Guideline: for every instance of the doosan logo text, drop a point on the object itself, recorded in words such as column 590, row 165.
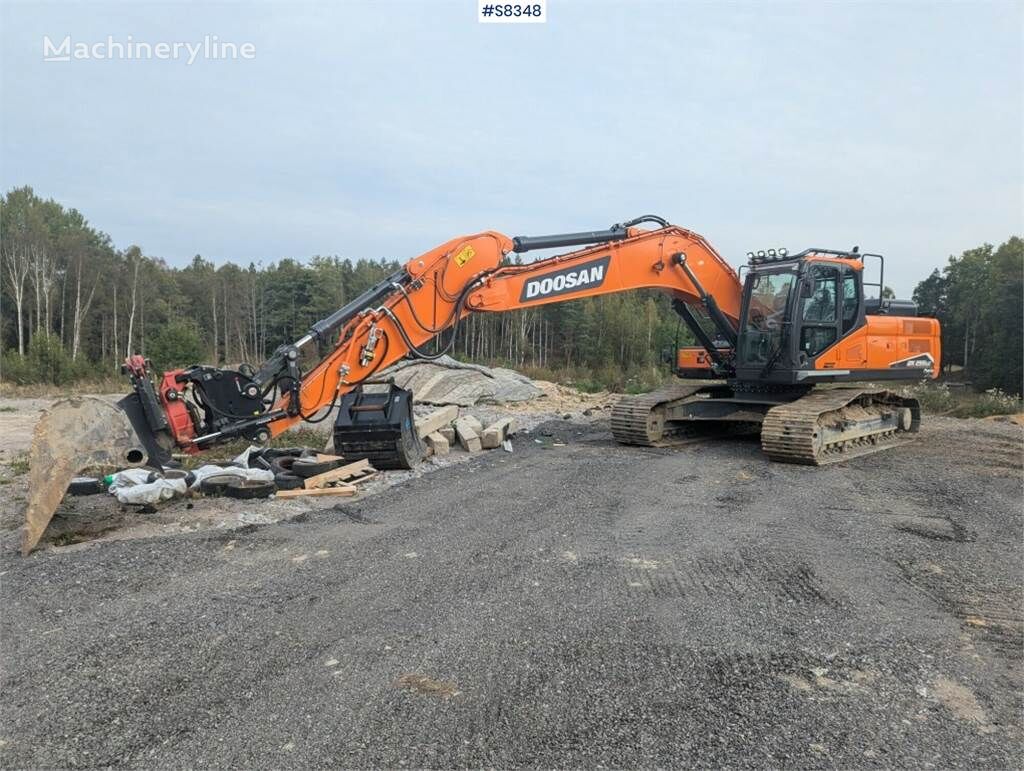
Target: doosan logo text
column 574, row 279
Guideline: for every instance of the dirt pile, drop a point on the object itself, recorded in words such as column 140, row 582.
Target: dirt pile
column 566, row 399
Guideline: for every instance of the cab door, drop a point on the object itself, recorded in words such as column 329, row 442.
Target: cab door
column 819, row 313
column 852, row 350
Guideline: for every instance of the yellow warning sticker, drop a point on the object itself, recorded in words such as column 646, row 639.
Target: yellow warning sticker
column 465, row 254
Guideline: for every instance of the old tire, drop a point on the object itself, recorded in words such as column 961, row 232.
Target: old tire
column 272, row 453
column 310, row 467
column 258, row 461
column 282, row 464
column 247, row 489
column 86, row 486
column 217, row 484
column 288, row 481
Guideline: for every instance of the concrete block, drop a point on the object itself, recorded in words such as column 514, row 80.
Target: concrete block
column 498, row 432
column 448, row 433
column 468, row 438
column 437, row 444
column 428, row 424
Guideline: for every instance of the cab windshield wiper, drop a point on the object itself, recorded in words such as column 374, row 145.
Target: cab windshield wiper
column 775, row 355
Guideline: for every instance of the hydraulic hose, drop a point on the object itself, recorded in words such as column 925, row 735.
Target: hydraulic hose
column 456, row 314
column 334, row 399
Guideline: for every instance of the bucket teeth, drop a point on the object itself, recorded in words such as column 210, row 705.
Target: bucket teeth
column 74, row 434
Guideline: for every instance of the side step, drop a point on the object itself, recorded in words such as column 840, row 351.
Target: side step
column 378, row 426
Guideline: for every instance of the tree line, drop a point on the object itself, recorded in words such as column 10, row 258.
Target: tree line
column 72, row 306
column 978, row 298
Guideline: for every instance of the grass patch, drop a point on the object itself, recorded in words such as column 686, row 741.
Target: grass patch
column 224, row 453
column 303, row 437
column 107, row 385
column 586, row 386
column 940, row 399
column 8, row 409
column 19, row 464
column 637, row 380
column 72, row 537
column 218, row 456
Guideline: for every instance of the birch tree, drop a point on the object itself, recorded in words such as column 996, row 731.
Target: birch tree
column 16, row 266
column 81, row 308
column 42, row 277
column 134, row 257
column 17, row 226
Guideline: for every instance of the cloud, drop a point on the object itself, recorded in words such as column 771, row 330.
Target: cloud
column 381, row 129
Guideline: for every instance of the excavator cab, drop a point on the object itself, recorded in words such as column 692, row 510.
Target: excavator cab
column 805, row 319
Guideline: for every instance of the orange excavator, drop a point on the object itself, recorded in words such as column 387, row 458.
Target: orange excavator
column 769, row 337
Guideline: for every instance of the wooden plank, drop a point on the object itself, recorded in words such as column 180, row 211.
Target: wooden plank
column 428, row 424
column 301, row 493
column 324, row 457
column 339, row 474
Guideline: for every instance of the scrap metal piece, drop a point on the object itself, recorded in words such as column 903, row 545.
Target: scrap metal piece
column 72, row 435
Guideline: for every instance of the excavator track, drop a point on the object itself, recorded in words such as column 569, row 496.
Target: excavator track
column 836, row 424
column 640, row 419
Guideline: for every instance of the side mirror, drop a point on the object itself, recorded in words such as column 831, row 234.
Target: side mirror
column 807, row 289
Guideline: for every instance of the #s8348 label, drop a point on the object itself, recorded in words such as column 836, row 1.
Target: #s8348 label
column 534, row 12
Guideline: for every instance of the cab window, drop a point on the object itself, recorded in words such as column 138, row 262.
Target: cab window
column 818, row 311
column 821, row 305
column 851, row 300
column 762, row 335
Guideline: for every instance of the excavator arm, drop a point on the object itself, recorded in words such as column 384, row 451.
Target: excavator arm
column 425, row 300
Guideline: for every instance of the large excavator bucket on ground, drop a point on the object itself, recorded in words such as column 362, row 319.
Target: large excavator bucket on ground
column 77, row 433
column 378, row 425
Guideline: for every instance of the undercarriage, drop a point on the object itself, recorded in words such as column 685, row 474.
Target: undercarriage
column 801, row 425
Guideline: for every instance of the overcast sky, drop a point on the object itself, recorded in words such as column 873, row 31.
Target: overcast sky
column 381, row 129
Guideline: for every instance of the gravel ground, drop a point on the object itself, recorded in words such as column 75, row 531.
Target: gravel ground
column 80, row 522
column 563, row 606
